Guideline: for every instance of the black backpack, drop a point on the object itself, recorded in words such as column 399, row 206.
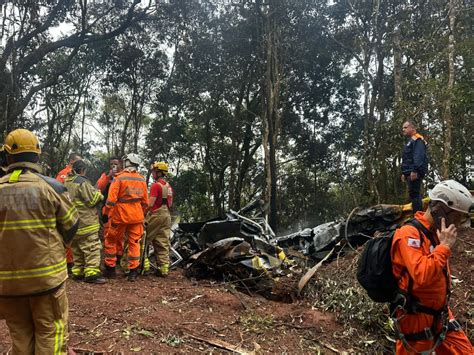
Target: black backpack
column 374, row 271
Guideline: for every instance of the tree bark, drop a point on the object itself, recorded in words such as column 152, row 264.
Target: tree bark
column 447, row 116
column 271, row 106
column 234, row 196
column 367, row 125
column 397, row 76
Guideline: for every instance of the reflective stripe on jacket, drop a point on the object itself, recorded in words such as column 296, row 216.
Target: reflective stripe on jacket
column 85, row 197
column 127, row 199
column 37, row 219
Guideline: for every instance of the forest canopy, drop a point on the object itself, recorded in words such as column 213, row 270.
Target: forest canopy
column 300, row 103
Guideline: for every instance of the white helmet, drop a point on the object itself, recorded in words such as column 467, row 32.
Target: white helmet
column 452, row 194
column 131, row 159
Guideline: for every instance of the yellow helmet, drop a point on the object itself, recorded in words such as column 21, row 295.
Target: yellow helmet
column 22, row 141
column 160, row 165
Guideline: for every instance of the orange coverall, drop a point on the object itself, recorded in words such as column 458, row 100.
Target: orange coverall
column 424, row 265
column 128, row 198
column 63, row 174
column 61, row 177
column 102, row 184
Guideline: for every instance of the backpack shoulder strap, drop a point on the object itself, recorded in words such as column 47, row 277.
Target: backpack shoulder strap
column 421, row 228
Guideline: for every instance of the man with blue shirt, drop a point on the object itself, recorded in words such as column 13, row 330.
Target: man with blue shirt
column 414, row 163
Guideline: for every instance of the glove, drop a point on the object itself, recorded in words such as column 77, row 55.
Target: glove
column 105, row 218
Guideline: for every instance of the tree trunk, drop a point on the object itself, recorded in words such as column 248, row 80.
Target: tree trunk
column 271, row 107
column 447, row 117
column 83, row 123
column 128, row 119
column 397, row 76
column 366, row 138
column 234, row 196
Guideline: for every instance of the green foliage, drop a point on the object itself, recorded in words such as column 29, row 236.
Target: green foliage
column 184, row 83
column 336, row 290
column 191, row 195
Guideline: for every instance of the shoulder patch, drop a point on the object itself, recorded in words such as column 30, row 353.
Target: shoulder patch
column 414, row 243
column 56, row 185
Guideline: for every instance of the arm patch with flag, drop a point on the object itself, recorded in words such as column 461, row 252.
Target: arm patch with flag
column 414, row 243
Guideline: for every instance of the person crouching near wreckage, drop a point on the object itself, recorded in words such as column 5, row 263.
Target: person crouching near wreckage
column 86, row 245
column 423, row 320
column 158, row 221
column 37, row 221
column 125, row 206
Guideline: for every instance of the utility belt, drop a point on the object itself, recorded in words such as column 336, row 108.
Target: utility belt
column 411, row 305
column 430, row 334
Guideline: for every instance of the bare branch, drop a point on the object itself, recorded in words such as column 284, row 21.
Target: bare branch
column 51, row 81
column 349, row 49
column 78, row 39
column 11, row 43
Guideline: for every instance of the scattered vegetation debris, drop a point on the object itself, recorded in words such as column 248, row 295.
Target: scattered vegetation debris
column 256, row 323
column 171, row 339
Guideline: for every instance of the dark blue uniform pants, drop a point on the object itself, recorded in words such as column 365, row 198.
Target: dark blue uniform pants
column 414, row 188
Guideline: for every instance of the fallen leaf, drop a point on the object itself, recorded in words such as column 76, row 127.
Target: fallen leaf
column 146, row 333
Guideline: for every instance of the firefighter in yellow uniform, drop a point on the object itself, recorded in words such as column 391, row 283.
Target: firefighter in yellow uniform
column 86, row 245
column 158, row 222
column 3, row 161
column 37, row 221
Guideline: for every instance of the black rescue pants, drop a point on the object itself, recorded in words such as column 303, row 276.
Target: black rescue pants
column 414, row 188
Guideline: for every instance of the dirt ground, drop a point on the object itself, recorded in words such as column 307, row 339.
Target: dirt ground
column 177, row 314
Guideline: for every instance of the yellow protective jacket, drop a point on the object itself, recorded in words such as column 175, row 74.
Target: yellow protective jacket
column 85, row 197
column 37, row 220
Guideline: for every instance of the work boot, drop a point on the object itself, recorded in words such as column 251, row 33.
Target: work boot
column 109, row 272
column 77, row 277
column 95, row 279
column 162, row 271
column 69, row 269
column 133, row 275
